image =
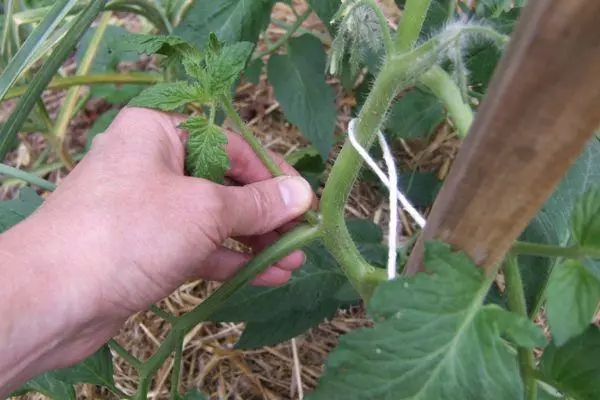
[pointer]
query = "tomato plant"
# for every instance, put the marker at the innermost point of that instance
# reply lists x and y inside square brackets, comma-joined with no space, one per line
[450,333]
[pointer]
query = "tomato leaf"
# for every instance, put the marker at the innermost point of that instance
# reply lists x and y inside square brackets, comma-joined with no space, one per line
[48,385]
[416,114]
[325,10]
[223,65]
[314,293]
[585,221]
[573,368]
[571,300]
[97,369]
[14,211]
[231,20]
[206,155]
[109,53]
[308,102]
[552,223]
[169,96]
[173,47]
[253,71]
[433,339]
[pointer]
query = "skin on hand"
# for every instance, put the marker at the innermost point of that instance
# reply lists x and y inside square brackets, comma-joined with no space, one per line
[124,230]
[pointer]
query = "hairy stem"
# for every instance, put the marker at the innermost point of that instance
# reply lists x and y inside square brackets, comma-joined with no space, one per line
[92,79]
[516,303]
[66,110]
[285,37]
[410,26]
[547,250]
[27,177]
[310,216]
[439,82]
[394,75]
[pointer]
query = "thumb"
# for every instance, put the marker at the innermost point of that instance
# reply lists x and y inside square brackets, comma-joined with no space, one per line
[264,206]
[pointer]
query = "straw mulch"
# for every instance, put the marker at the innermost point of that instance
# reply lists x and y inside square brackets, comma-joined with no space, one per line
[210,361]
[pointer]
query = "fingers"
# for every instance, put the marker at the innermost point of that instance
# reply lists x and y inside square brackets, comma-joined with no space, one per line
[223,263]
[261,207]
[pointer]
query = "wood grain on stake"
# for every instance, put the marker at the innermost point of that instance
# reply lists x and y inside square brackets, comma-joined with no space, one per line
[542,107]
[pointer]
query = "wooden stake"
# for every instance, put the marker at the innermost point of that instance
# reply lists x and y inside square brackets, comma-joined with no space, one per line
[542,107]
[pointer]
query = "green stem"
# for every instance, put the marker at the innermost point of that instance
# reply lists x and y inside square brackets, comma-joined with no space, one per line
[285,37]
[145,9]
[92,79]
[40,170]
[66,110]
[293,240]
[27,177]
[52,140]
[310,216]
[516,303]
[176,372]
[143,387]
[393,76]
[442,85]
[547,250]
[388,43]
[410,26]
[124,354]
[162,313]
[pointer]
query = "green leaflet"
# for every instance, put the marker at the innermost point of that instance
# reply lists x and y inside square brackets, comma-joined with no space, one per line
[99,126]
[97,369]
[231,20]
[585,221]
[314,293]
[169,96]
[433,339]
[552,223]
[253,71]
[16,210]
[298,79]
[571,300]
[325,10]
[48,385]
[416,114]
[206,155]
[172,47]
[573,368]
[222,67]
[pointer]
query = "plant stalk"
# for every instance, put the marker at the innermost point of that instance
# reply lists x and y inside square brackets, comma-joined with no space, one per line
[441,84]
[27,177]
[415,12]
[394,76]
[547,250]
[124,354]
[285,37]
[388,43]
[92,79]
[310,216]
[516,303]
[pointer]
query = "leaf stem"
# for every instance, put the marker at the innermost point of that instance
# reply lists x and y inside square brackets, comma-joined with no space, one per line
[68,105]
[124,354]
[92,79]
[293,240]
[310,216]
[441,84]
[516,303]
[324,38]
[547,250]
[285,37]
[176,372]
[162,313]
[410,26]
[27,177]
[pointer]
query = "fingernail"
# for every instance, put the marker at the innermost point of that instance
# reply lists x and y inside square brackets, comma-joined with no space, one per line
[296,193]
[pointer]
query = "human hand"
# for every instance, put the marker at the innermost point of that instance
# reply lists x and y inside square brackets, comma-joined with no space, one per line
[126,227]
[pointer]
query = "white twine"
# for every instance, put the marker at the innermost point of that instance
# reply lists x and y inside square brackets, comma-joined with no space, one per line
[395,196]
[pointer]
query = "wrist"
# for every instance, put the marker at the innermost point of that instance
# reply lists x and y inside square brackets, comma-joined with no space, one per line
[50,322]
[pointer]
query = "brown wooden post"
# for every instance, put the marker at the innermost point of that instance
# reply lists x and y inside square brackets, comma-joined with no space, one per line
[541,109]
